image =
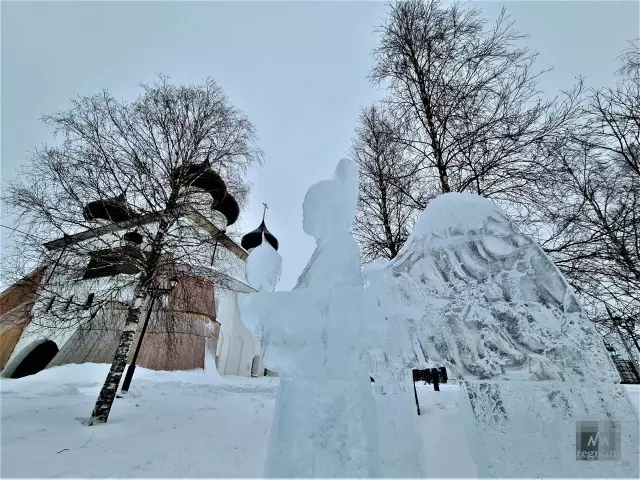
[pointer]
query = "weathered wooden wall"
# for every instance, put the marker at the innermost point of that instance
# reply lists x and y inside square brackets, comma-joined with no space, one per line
[174,342]
[16,303]
[182,326]
[193,295]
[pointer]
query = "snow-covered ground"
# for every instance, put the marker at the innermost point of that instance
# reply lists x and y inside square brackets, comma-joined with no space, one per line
[177,424]
[172,424]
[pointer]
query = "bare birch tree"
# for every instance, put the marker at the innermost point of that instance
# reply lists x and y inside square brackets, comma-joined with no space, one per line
[591,199]
[468,95]
[385,213]
[147,163]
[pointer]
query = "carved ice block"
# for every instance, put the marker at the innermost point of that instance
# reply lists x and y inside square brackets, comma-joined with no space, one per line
[531,429]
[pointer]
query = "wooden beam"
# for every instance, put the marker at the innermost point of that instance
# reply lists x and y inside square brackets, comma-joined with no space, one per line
[102,230]
[187,211]
[203,222]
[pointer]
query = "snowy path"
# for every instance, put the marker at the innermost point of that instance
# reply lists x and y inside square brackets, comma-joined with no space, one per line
[177,424]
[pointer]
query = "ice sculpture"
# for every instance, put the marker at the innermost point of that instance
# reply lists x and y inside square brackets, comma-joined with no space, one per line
[469,291]
[325,423]
[391,363]
[263,267]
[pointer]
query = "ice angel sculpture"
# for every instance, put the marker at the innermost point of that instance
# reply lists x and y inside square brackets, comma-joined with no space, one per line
[470,292]
[325,424]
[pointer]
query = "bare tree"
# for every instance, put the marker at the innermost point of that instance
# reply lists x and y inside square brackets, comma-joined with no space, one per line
[468,95]
[591,201]
[385,215]
[138,174]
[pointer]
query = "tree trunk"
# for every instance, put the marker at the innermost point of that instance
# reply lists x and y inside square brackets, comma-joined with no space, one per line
[432,131]
[391,244]
[107,395]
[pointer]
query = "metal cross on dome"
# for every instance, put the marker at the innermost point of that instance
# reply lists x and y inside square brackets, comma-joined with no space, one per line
[264,212]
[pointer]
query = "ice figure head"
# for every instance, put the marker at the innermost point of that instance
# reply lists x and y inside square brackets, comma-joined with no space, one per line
[330,205]
[263,267]
[301,330]
[328,211]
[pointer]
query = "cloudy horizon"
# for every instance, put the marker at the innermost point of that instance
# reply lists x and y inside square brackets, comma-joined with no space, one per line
[297,69]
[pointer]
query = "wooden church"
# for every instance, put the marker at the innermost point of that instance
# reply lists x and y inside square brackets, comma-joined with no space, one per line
[191,322]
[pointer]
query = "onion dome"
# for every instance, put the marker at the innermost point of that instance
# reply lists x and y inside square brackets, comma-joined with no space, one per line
[254,238]
[114,209]
[133,237]
[201,176]
[229,208]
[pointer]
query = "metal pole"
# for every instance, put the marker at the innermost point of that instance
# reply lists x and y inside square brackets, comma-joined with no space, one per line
[215,247]
[132,366]
[435,378]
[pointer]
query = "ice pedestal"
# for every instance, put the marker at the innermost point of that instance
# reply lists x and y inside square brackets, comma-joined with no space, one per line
[325,423]
[322,428]
[524,429]
[399,437]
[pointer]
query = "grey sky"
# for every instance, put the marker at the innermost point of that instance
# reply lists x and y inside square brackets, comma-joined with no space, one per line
[298,69]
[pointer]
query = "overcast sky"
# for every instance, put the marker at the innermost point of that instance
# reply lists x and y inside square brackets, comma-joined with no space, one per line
[298,69]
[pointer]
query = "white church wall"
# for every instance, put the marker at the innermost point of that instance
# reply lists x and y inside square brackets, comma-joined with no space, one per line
[60,325]
[224,316]
[250,348]
[237,346]
[58,309]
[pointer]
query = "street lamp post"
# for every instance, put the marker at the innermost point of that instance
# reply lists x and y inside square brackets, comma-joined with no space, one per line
[173,281]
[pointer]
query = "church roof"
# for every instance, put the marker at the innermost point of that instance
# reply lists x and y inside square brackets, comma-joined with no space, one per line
[114,209]
[228,207]
[201,176]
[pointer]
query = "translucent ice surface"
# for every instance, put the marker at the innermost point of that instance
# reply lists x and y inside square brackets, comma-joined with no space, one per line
[325,424]
[469,292]
[477,296]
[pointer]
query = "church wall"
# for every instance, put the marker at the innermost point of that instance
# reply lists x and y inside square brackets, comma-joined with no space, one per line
[16,303]
[192,303]
[193,298]
[182,349]
[225,315]
[193,295]
[237,344]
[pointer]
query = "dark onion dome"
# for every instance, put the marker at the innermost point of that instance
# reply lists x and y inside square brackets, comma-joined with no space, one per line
[133,237]
[201,176]
[114,209]
[229,208]
[254,238]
